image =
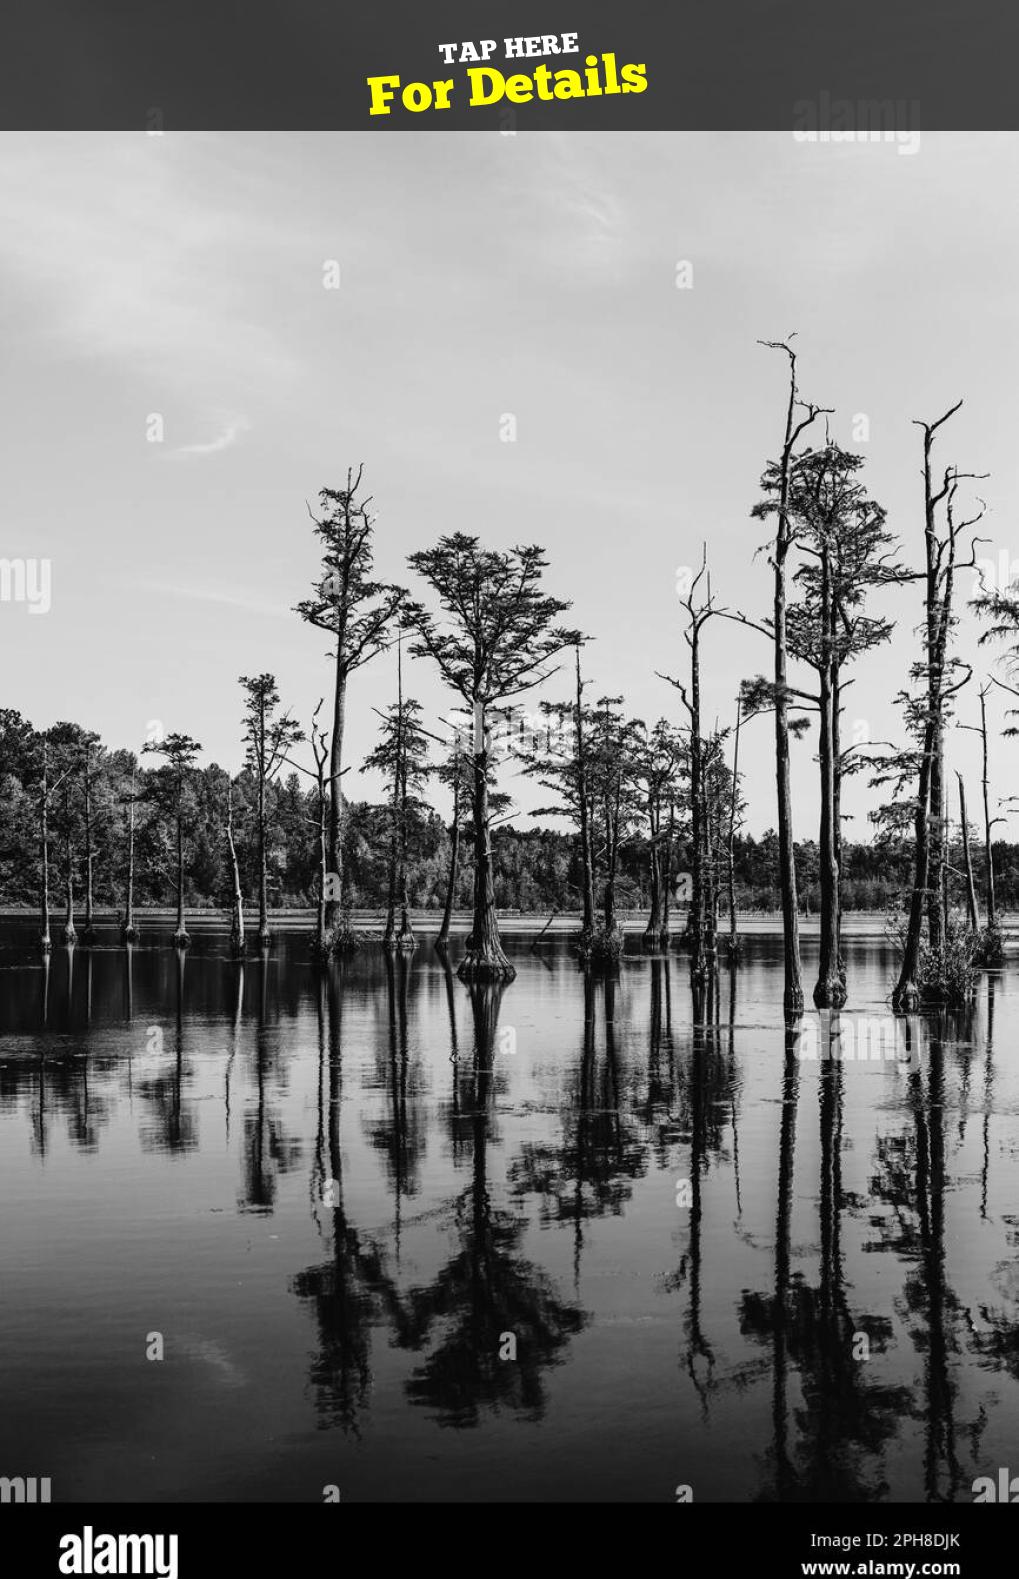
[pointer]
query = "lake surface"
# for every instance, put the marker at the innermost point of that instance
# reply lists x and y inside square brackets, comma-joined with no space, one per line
[558,1242]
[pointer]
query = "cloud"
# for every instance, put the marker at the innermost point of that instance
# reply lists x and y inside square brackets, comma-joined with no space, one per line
[232,428]
[585,222]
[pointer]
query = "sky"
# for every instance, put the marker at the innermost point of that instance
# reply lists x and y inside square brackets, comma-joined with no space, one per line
[185,278]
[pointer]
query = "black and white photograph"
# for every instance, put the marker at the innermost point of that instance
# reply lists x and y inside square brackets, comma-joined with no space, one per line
[509,870]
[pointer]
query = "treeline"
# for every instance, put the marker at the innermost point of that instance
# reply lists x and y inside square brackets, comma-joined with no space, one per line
[537,871]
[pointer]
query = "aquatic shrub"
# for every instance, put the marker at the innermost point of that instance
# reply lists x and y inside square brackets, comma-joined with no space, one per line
[947,977]
[346,939]
[988,947]
[601,948]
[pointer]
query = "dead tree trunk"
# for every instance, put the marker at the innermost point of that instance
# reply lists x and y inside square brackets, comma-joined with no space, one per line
[70,934]
[45,941]
[698,895]
[663,936]
[971,893]
[792,997]
[731,840]
[237,938]
[128,930]
[713,830]
[906,996]
[992,909]
[180,936]
[264,935]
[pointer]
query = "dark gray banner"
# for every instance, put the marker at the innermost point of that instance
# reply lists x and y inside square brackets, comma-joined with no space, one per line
[876,68]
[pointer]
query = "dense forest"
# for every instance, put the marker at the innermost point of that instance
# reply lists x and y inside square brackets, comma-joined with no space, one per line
[535,871]
[645,815]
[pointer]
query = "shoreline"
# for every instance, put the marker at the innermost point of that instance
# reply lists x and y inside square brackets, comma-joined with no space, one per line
[764,923]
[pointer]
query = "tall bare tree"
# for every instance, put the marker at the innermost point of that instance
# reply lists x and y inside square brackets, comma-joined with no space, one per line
[321,755]
[777,504]
[238,941]
[943,535]
[358,612]
[737,810]
[698,602]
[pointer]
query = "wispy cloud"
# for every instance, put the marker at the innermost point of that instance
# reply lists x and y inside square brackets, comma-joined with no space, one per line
[231,430]
[584,227]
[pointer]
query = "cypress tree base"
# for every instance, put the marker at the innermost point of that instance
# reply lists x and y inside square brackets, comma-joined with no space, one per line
[487,964]
[792,1002]
[830,991]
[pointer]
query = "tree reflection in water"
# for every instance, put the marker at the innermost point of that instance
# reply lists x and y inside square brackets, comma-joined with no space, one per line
[486,1290]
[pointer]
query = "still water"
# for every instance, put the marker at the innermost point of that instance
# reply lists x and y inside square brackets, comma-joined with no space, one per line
[558,1242]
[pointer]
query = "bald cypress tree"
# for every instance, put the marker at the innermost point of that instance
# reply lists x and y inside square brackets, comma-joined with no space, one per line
[171,789]
[493,637]
[268,737]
